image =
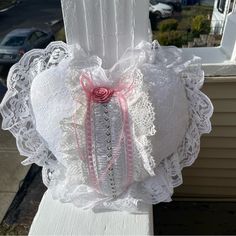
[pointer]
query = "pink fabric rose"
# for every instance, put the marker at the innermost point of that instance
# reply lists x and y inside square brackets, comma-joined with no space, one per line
[102,94]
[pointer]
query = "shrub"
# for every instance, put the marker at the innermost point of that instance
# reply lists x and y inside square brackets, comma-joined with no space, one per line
[168,25]
[184,25]
[200,25]
[170,38]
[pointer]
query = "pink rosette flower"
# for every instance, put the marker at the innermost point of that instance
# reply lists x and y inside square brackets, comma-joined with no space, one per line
[102,94]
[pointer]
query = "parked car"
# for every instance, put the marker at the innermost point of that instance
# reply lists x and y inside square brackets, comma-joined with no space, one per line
[17,42]
[7,5]
[161,10]
[176,4]
[3,89]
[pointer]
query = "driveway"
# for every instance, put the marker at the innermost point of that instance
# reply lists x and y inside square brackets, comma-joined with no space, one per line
[30,13]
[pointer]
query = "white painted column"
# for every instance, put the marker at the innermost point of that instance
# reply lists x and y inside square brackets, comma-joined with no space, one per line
[106,28]
[55,218]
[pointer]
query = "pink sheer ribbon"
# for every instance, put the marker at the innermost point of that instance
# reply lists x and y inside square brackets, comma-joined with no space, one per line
[100,94]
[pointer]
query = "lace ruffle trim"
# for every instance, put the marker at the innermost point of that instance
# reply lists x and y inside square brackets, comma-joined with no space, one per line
[200,112]
[16,108]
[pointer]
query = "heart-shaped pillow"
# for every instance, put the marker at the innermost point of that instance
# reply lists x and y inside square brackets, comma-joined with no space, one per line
[98,149]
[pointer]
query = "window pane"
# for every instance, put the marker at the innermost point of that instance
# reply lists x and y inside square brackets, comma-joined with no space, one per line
[40,34]
[13,41]
[33,38]
[153,2]
[221,5]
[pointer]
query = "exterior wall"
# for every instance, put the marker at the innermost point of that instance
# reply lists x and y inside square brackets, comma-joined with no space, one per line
[218,18]
[213,175]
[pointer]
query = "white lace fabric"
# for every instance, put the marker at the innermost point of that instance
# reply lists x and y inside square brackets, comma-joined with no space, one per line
[106,132]
[166,90]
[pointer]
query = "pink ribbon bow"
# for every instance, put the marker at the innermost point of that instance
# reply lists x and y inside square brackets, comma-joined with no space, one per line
[103,94]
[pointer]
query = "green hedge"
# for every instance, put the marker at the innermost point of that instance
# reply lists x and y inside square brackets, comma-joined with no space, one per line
[168,25]
[200,25]
[170,38]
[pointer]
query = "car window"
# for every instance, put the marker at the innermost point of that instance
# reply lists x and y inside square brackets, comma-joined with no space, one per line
[32,38]
[13,41]
[40,34]
[153,2]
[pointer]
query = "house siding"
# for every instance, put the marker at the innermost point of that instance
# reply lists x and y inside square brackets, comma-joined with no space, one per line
[213,175]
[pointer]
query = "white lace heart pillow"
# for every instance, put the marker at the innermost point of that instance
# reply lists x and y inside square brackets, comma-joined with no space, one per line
[46,108]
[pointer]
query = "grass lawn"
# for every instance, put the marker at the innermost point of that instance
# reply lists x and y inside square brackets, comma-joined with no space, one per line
[6,3]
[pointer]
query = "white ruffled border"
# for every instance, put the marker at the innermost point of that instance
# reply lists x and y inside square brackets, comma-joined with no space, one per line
[169,171]
[30,144]
[16,110]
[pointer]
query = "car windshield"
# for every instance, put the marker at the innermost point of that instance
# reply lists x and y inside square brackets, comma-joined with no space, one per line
[13,41]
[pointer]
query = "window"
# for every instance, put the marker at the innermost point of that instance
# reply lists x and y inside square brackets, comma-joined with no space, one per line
[40,34]
[33,38]
[153,2]
[221,5]
[13,41]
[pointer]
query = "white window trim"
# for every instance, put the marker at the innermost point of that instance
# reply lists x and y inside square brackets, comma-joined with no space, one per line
[219,61]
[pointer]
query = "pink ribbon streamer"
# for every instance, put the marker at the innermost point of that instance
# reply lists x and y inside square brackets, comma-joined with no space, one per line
[104,94]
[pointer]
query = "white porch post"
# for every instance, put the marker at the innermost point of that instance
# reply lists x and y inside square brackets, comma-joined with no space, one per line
[55,218]
[104,28]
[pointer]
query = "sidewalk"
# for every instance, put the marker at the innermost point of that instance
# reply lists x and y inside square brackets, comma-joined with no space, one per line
[11,170]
